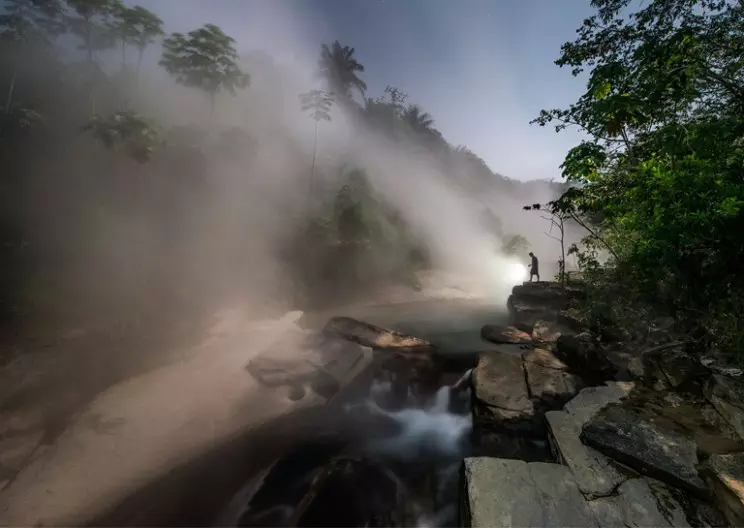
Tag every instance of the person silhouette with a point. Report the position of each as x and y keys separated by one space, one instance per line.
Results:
x=534 y=267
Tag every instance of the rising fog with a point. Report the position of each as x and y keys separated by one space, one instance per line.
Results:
x=226 y=217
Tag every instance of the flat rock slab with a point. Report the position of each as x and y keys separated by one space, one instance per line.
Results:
x=727 y=395
x=506 y=335
x=500 y=492
x=548 y=332
x=373 y=336
x=551 y=387
x=652 y=450
x=636 y=504
x=499 y=381
x=725 y=474
x=595 y=474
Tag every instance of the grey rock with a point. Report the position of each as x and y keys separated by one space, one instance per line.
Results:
x=727 y=396
x=593 y=399
x=505 y=335
x=678 y=366
x=551 y=387
x=636 y=504
x=547 y=332
x=498 y=492
x=524 y=314
x=650 y=449
x=725 y=474
x=595 y=474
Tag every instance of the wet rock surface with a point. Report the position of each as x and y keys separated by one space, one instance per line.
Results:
x=583 y=353
x=650 y=449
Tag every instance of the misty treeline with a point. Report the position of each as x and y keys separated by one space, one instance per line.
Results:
x=108 y=209
x=659 y=183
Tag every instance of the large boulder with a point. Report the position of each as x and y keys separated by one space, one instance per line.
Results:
x=505 y=493
x=727 y=395
x=372 y=336
x=584 y=354
x=500 y=394
x=506 y=335
x=653 y=450
x=550 y=387
x=725 y=475
x=595 y=474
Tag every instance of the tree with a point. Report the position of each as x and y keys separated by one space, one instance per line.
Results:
x=93 y=23
x=319 y=104
x=418 y=120
x=27 y=23
x=145 y=27
x=206 y=59
x=128 y=131
x=659 y=180
x=339 y=68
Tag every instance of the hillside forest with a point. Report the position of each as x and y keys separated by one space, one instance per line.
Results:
x=137 y=190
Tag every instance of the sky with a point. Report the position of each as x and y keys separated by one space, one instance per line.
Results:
x=482 y=68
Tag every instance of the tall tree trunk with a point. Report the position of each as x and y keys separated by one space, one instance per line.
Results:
x=11 y=88
x=140 y=54
x=312 y=169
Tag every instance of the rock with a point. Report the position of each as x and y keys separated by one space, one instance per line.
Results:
x=507 y=335
x=351 y=492
x=544 y=358
x=725 y=474
x=636 y=504
x=595 y=474
x=373 y=336
x=678 y=366
x=551 y=387
x=500 y=391
x=727 y=396
x=546 y=332
x=652 y=450
x=524 y=314
x=583 y=353
x=303 y=357
x=712 y=364
x=499 y=492
x=691 y=415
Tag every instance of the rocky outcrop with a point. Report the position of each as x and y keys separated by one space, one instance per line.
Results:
x=373 y=336
x=650 y=449
x=507 y=335
x=499 y=492
x=595 y=474
x=725 y=475
x=551 y=387
x=727 y=395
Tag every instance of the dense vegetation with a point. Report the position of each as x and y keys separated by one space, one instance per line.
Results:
x=659 y=184
x=108 y=207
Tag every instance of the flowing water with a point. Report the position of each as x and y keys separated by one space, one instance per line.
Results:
x=401 y=474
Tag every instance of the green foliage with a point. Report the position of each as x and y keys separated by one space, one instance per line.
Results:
x=318 y=103
x=339 y=68
x=659 y=184
x=204 y=58
x=128 y=131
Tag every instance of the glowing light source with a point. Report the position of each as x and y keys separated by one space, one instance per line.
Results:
x=515 y=271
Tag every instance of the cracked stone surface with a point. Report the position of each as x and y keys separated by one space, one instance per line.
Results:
x=500 y=492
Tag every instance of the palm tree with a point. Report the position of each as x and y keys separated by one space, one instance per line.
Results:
x=418 y=120
x=319 y=104
x=339 y=68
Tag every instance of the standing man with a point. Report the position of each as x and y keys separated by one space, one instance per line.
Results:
x=534 y=270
